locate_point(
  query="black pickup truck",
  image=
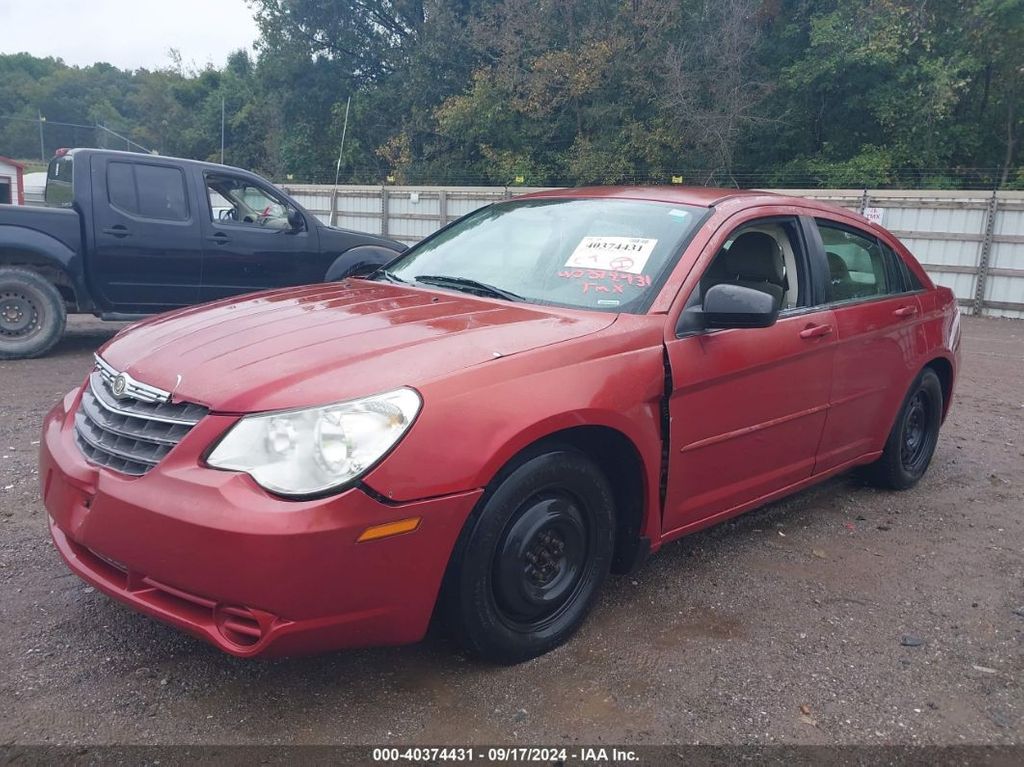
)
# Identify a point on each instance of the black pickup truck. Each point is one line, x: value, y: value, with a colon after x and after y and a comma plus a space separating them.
x: 126, y: 235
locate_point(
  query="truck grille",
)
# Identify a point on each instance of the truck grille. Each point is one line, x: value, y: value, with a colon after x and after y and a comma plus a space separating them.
x: 129, y: 434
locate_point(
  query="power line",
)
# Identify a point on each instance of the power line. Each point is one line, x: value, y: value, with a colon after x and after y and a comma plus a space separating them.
x: 95, y: 126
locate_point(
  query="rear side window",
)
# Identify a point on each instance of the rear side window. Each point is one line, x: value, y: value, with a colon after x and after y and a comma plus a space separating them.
x: 59, y: 175
x: 121, y: 187
x: 161, y: 192
x: 150, y: 191
x: 908, y: 278
x: 856, y: 264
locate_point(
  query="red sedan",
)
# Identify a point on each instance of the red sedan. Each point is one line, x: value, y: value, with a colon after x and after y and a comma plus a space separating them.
x: 544, y: 391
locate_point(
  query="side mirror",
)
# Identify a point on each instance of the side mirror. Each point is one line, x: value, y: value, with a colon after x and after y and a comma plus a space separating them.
x: 295, y: 220
x: 737, y: 306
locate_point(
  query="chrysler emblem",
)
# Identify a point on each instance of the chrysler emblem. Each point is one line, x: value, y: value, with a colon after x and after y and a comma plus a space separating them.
x: 119, y: 385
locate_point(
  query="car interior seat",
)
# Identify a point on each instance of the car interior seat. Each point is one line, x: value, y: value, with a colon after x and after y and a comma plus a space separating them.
x: 754, y: 260
x: 842, y: 284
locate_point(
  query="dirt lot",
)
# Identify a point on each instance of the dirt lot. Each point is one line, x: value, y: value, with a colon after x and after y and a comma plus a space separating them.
x: 786, y: 625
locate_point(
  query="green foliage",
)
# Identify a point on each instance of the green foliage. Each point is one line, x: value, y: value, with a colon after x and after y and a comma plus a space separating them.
x: 846, y: 93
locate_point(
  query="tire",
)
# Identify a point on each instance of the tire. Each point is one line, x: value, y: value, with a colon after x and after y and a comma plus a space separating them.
x: 531, y: 558
x: 913, y: 438
x: 32, y: 314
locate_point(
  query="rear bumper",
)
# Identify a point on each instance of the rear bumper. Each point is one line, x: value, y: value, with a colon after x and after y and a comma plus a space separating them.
x: 214, y: 555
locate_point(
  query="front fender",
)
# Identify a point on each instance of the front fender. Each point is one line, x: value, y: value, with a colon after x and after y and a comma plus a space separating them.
x: 476, y: 421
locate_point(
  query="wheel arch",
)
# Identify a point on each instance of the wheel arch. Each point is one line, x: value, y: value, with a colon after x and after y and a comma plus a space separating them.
x: 360, y: 257
x: 622, y: 464
x: 52, y: 267
x: 944, y: 370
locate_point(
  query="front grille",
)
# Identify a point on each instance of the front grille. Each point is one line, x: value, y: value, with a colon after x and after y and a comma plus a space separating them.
x: 127, y: 434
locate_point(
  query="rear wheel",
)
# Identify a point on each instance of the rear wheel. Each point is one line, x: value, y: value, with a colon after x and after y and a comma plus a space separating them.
x: 32, y: 314
x: 911, y: 443
x: 527, y: 567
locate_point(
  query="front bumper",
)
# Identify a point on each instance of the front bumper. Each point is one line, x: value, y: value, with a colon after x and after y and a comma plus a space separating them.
x: 213, y: 554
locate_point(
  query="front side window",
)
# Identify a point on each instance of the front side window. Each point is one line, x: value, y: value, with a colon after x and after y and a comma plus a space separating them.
x: 238, y: 201
x: 856, y: 264
x: 765, y: 255
x: 602, y: 254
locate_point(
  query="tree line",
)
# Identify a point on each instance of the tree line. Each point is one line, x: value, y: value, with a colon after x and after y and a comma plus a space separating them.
x: 835, y: 93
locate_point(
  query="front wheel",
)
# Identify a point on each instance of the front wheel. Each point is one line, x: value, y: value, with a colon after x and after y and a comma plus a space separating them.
x: 913, y: 438
x: 527, y: 567
x: 32, y: 314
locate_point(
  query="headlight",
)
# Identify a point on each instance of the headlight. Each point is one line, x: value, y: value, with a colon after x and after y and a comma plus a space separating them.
x: 304, y: 452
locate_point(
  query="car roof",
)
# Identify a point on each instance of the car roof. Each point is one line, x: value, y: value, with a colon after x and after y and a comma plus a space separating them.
x: 701, y: 196
x: 704, y: 196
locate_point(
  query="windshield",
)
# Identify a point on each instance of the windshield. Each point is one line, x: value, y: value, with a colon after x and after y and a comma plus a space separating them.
x: 604, y: 254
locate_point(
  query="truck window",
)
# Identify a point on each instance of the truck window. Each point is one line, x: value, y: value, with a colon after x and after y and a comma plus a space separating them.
x: 150, y: 191
x: 59, y: 175
x: 121, y: 187
x: 161, y: 192
x: 238, y: 201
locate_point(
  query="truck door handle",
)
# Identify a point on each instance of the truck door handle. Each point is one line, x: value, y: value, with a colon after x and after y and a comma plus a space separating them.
x: 220, y: 238
x: 905, y: 311
x: 118, y: 230
x: 815, y: 331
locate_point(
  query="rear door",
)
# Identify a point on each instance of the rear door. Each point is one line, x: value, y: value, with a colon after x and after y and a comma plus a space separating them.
x: 147, y: 251
x: 248, y: 243
x: 877, y: 315
x: 748, y: 405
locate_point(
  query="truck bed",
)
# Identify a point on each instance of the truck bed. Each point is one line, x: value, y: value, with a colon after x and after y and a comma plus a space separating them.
x: 62, y: 224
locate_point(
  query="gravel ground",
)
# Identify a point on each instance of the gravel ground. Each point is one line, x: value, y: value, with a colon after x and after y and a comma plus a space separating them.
x: 788, y: 625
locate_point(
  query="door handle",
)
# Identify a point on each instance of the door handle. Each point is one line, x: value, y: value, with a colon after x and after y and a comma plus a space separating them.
x: 905, y: 311
x: 220, y: 238
x: 118, y: 230
x: 815, y: 331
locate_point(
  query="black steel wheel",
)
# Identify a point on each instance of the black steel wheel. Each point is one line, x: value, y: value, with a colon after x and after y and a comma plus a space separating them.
x: 912, y: 441
x: 32, y: 314
x: 531, y: 558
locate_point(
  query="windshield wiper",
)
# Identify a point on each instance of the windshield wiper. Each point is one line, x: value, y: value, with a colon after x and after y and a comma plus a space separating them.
x: 389, y: 276
x: 464, y: 283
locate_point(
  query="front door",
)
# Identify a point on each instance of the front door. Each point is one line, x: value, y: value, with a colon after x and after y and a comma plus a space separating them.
x: 748, y: 406
x: 248, y: 243
x: 147, y: 252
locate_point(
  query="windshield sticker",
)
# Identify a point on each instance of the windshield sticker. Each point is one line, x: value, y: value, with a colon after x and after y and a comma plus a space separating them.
x: 619, y: 254
x: 676, y: 213
x: 638, y: 280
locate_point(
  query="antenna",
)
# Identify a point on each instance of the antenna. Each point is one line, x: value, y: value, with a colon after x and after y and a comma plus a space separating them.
x: 344, y: 130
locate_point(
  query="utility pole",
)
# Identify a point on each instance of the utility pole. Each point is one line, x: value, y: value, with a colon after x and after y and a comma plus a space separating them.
x: 221, y: 130
x: 42, y: 148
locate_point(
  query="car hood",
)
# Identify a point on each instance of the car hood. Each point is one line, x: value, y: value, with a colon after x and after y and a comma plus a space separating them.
x: 327, y: 343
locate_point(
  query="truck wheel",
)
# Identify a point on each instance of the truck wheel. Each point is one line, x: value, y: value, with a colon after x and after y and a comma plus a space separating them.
x: 529, y: 563
x: 32, y: 315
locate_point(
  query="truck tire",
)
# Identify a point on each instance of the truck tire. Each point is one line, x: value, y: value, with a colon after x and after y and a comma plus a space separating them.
x: 32, y: 314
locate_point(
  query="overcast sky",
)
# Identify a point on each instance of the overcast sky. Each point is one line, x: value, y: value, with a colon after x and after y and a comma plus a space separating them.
x: 127, y: 33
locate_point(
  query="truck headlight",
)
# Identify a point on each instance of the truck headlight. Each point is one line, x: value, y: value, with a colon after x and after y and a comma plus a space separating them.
x: 310, y: 451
